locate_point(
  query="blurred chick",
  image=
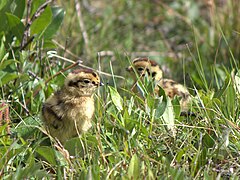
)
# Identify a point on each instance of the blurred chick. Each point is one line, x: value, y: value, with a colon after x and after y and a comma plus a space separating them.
x: 171, y: 88
x: 68, y: 112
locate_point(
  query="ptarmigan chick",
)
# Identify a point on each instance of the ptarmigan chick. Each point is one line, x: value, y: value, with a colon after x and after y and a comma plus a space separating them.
x: 171, y: 88
x: 68, y: 112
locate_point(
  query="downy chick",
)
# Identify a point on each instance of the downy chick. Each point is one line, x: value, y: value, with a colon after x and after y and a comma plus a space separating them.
x: 171, y: 87
x: 69, y: 111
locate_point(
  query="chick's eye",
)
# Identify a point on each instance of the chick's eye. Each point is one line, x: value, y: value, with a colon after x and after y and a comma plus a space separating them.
x: 154, y: 74
x: 140, y: 69
x: 86, y: 81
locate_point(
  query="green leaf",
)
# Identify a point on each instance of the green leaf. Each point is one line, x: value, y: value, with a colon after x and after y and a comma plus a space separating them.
x: 141, y: 89
x: 223, y: 89
x: 15, y: 25
x: 27, y: 126
x: 29, y: 171
x: 47, y: 153
x: 168, y: 117
x: 134, y: 168
x: 42, y: 22
x: 14, y: 7
x: 149, y: 84
x: 57, y: 19
x: 6, y: 77
x: 4, y: 64
x: 230, y: 100
x: 208, y: 141
x: 151, y: 101
x: 35, y: 6
x: 116, y: 98
x: 2, y: 4
x: 74, y: 147
x: 19, y: 8
x: 180, y: 155
x: 2, y: 48
x: 176, y: 105
x: 161, y: 105
x: 3, y: 20
x: 237, y: 82
x: 48, y: 44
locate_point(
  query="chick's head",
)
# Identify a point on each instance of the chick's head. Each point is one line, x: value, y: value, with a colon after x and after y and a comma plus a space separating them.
x: 145, y: 66
x: 82, y: 82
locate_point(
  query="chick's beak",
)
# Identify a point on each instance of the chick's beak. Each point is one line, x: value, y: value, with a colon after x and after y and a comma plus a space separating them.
x: 129, y: 68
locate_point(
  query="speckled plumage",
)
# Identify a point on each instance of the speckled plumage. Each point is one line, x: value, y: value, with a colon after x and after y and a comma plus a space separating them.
x: 171, y: 87
x: 69, y: 111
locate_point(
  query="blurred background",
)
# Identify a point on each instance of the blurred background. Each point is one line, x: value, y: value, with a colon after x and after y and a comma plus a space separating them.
x: 196, y: 42
x: 177, y: 34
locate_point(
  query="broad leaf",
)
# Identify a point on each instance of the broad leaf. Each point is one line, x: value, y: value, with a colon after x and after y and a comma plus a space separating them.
x: 4, y: 64
x: 57, y: 19
x: 74, y: 147
x: 42, y: 22
x: 19, y: 8
x: 176, y: 106
x: 48, y: 153
x: 3, y: 20
x: 35, y: 5
x: 134, y: 168
x: 14, y: 7
x: 27, y: 126
x: 2, y: 4
x: 6, y: 77
x: 168, y: 117
x: 116, y: 98
x: 162, y: 103
x: 15, y: 25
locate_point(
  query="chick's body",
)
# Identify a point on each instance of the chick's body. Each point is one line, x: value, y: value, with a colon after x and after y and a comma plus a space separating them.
x: 172, y: 89
x: 145, y: 66
x: 68, y: 112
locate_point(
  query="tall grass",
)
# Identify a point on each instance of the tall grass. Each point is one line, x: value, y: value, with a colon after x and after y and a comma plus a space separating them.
x: 131, y: 137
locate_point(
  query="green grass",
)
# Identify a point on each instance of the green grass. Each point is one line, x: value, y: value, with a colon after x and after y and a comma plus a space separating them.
x: 195, y: 43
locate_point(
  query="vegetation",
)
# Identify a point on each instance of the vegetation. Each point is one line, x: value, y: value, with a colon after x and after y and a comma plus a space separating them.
x: 196, y: 43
